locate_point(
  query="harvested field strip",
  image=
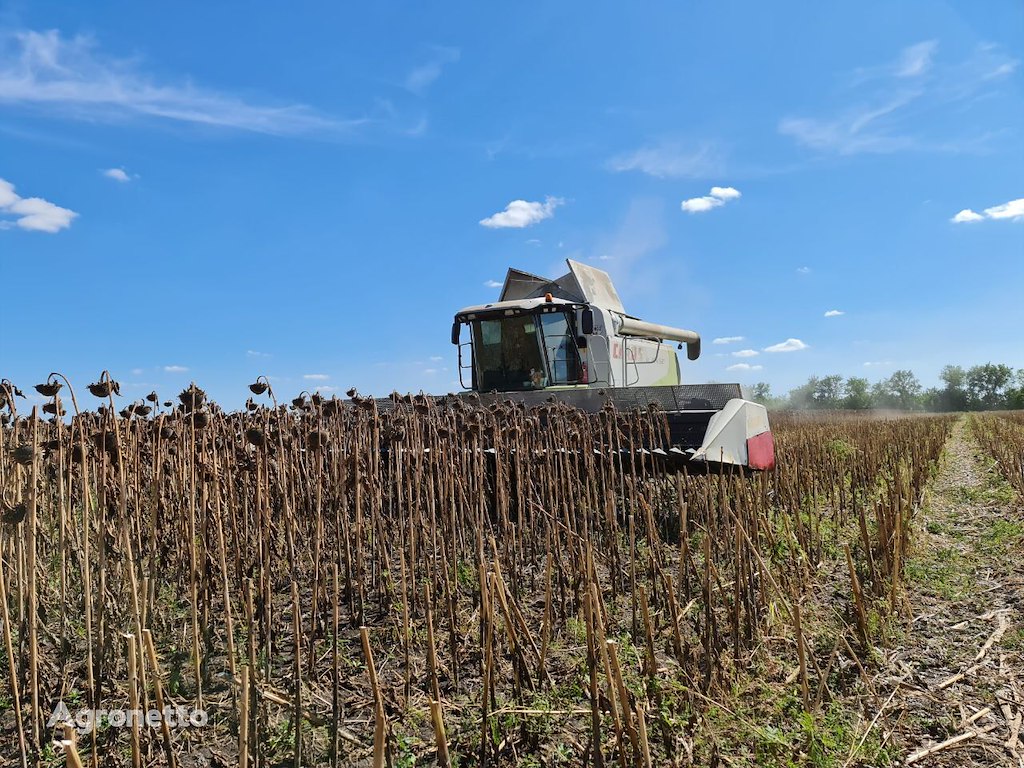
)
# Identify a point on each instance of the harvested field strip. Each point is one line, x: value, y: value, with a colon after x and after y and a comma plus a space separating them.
x: 958, y: 672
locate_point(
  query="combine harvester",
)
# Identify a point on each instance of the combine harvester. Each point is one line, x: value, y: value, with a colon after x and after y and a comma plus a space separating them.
x: 570, y: 340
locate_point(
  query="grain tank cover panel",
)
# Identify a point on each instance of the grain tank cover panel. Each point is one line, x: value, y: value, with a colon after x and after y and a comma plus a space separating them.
x: 523, y: 285
x: 595, y: 285
x: 582, y: 284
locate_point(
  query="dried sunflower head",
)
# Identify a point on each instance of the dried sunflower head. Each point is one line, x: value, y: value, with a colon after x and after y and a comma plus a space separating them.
x: 192, y: 398
x: 53, y: 408
x: 255, y: 437
x: 101, y: 388
x: 317, y: 439
x: 23, y: 454
x: 49, y: 389
x: 15, y: 514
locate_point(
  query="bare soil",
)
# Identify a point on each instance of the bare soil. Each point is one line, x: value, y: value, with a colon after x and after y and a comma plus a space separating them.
x: 954, y: 683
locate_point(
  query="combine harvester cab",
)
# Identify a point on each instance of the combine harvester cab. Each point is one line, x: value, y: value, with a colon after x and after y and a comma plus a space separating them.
x: 571, y: 340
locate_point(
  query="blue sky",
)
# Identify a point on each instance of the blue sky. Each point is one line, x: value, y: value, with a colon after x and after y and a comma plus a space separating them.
x: 310, y: 191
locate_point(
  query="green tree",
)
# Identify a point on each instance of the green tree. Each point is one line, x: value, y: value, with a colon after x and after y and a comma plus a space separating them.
x: 856, y: 395
x: 1015, y: 394
x: 828, y: 392
x: 954, y: 396
x: 761, y: 392
x: 901, y: 390
x: 802, y: 397
x: 987, y: 386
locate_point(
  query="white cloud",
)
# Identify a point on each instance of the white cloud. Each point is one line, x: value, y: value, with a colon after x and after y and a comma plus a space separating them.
x: 803, y: 270
x: 423, y: 76
x: 137, y: 371
x: 325, y: 388
x: 834, y: 313
x: 315, y: 376
x: 745, y: 353
x: 32, y: 213
x: 430, y: 371
x: 436, y: 358
x: 727, y: 339
x: 1012, y: 210
x: 789, y: 345
x: 254, y: 353
x: 877, y: 364
x: 533, y: 241
x: 175, y: 369
x: 916, y: 59
x: 492, y: 284
x: 70, y: 75
x: 520, y: 213
x: 117, y: 174
x: 966, y: 215
x: 725, y: 193
x: 669, y: 160
x: 744, y: 367
x: 701, y: 204
x: 718, y: 196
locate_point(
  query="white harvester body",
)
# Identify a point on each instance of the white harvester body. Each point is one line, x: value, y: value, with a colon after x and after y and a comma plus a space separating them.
x: 571, y: 338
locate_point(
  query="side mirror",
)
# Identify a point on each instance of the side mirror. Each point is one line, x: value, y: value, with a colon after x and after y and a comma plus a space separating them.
x: 456, y: 329
x: 587, y: 321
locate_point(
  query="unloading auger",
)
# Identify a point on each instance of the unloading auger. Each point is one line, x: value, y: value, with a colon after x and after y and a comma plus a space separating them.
x: 571, y: 340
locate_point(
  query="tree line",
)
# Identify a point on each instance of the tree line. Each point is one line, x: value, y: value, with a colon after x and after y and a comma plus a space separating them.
x: 992, y: 386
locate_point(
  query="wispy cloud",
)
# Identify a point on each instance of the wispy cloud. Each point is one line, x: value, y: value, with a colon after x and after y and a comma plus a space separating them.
x: 718, y: 196
x: 878, y: 364
x: 492, y: 284
x: 744, y: 367
x: 789, y: 345
x: 254, y: 353
x: 834, y: 313
x: 880, y: 104
x: 31, y: 213
x: 745, y: 353
x: 727, y: 339
x: 117, y: 174
x: 315, y: 376
x: 1013, y: 210
x: 670, y: 160
x: 803, y: 270
x: 629, y: 246
x: 849, y: 133
x: 175, y: 369
x: 73, y: 77
x: 916, y: 59
x: 420, y: 78
x: 520, y: 213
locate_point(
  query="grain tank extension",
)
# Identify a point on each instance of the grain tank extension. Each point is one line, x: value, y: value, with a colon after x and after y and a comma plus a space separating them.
x: 571, y: 339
